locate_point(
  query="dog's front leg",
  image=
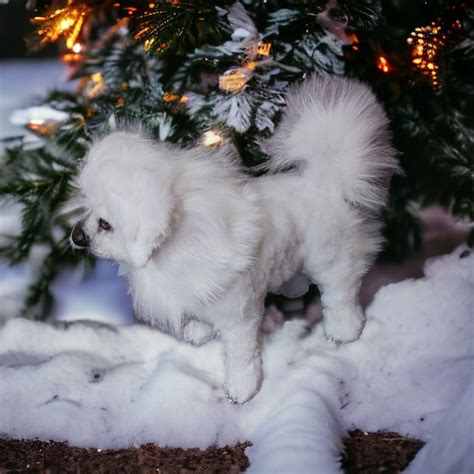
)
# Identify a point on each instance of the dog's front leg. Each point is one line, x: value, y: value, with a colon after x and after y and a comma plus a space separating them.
x: 243, y: 360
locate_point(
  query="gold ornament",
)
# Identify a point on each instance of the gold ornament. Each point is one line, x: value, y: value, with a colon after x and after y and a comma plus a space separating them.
x: 425, y: 42
x: 235, y: 79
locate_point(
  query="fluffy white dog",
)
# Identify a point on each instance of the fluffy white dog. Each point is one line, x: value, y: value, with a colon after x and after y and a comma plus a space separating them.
x: 202, y: 243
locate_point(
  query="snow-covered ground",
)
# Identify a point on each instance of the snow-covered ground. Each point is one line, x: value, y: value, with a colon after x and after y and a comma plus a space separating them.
x: 109, y: 387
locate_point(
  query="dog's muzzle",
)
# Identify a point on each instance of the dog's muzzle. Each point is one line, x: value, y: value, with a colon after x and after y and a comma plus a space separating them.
x: 79, y: 238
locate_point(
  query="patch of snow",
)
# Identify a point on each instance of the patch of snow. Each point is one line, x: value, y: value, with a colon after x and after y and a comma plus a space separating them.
x: 99, y: 385
x: 417, y: 351
x: 451, y: 448
x: 40, y: 113
x: 23, y: 82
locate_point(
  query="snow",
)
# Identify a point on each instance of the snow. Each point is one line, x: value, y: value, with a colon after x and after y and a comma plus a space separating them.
x: 452, y: 444
x: 21, y: 83
x: 107, y: 386
x: 40, y: 113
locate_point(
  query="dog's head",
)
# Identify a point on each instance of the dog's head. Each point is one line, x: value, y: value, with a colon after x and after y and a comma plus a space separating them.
x: 126, y: 191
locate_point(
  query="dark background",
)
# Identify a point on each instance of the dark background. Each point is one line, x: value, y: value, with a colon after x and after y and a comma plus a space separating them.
x: 14, y: 26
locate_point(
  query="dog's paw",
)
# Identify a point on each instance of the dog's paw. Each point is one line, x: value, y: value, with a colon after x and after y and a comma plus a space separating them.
x: 197, y: 333
x: 243, y: 384
x: 343, y: 325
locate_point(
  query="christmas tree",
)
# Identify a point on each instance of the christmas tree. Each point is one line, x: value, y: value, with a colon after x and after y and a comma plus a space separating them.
x: 217, y: 73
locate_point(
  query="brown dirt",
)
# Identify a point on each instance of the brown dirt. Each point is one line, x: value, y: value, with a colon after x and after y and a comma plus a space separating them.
x: 23, y: 456
x: 370, y: 453
x: 365, y: 453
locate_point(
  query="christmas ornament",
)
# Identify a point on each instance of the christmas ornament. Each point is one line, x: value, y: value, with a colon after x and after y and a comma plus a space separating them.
x: 235, y: 79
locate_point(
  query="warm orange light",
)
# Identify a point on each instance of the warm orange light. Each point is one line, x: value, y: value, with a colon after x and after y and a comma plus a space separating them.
x: 212, y: 138
x: 65, y: 25
x: 42, y: 127
x: 170, y: 97
x: 264, y: 49
x: 251, y: 65
x: 426, y: 49
x: 352, y: 38
x: 383, y: 64
x: 67, y: 21
x: 98, y: 84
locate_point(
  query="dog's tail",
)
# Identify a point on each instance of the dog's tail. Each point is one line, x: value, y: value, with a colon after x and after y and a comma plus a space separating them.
x: 336, y: 132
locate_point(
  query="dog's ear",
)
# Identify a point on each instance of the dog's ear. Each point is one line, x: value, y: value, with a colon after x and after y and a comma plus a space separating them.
x: 149, y: 220
x: 144, y: 237
x: 139, y: 252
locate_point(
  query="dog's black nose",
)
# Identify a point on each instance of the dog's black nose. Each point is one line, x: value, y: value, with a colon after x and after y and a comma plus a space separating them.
x: 79, y: 237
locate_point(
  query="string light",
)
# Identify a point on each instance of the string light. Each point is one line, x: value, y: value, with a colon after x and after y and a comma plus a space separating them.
x: 264, y: 49
x: 170, y: 97
x: 383, y: 64
x: 67, y: 22
x: 97, y: 87
x: 161, y: 24
x: 425, y: 42
x: 212, y: 138
x: 149, y: 44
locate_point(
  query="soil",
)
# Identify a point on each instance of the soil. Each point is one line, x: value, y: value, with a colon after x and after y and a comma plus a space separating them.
x: 365, y: 453
x: 370, y: 453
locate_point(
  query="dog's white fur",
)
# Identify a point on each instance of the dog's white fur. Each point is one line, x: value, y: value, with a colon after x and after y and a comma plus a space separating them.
x: 202, y: 244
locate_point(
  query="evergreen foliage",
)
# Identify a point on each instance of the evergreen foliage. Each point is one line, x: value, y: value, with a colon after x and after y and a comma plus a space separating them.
x: 177, y: 88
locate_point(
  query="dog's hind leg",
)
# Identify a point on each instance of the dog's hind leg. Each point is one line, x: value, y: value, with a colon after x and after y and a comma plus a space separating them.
x: 343, y: 316
x: 338, y: 269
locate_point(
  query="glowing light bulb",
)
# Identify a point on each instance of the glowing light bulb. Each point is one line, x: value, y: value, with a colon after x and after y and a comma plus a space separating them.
x: 212, y: 138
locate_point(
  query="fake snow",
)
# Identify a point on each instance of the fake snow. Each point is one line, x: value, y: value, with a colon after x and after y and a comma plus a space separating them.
x: 104, y: 386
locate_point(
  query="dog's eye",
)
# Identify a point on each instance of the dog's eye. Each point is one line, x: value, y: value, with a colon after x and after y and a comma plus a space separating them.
x: 104, y: 225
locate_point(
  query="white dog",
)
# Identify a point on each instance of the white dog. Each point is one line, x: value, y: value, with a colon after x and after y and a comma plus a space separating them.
x: 202, y: 243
